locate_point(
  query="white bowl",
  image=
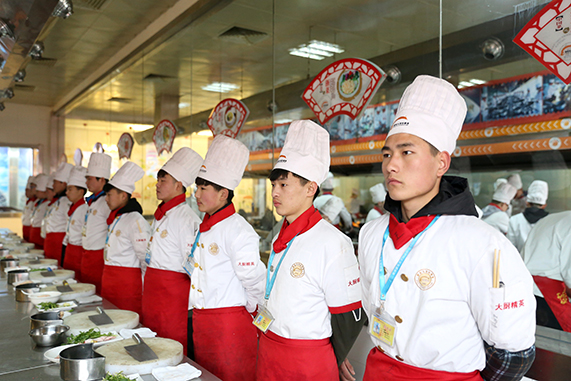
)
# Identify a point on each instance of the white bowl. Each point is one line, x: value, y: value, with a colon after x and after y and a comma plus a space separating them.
x: 44, y: 297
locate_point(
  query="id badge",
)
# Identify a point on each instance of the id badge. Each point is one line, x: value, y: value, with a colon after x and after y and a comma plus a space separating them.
x: 263, y: 319
x: 383, y: 327
x: 148, y: 255
x: 105, y: 252
x: 190, y: 264
x: 84, y: 231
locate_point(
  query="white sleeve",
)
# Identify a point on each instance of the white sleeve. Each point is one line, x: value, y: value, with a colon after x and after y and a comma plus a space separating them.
x: 366, y: 280
x: 341, y: 278
x: 565, y: 259
x: 512, y: 231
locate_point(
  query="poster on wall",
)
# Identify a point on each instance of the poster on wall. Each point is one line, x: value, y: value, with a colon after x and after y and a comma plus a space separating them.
x: 547, y: 38
x: 164, y: 135
x: 125, y: 145
x: 344, y: 87
x: 228, y: 117
x: 511, y: 99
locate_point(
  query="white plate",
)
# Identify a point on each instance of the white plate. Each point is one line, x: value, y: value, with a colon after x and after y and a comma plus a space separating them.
x: 62, y: 306
x: 100, y: 343
x: 53, y: 354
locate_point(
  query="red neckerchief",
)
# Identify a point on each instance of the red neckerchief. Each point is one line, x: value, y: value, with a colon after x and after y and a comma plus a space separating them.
x: 496, y: 205
x: 378, y: 209
x: 402, y: 232
x: 53, y: 200
x: 303, y: 223
x: 75, y: 206
x: 163, y: 208
x: 327, y: 192
x: 112, y: 216
x: 209, y: 221
x: 31, y: 199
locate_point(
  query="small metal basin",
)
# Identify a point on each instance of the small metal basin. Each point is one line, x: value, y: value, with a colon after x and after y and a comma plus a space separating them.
x: 45, y: 318
x: 23, y: 289
x: 18, y: 276
x: 49, y: 335
x: 81, y: 363
x: 7, y: 263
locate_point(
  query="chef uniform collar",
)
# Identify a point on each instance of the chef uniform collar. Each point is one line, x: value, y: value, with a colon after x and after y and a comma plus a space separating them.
x: 99, y: 165
x: 225, y: 162
x: 184, y: 166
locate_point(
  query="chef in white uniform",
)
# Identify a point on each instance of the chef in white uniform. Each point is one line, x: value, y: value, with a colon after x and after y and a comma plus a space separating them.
x: 76, y: 189
x: 378, y: 194
x: 29, y: 207
x: 520, y: 225
x: 227, y: 275
x: 496, y: 213
x: 327, y: 194
x: 311, y: 313
x: 435, y: 312
x: 518, y: 203
x: 167, y: 286
x: 40, y: 208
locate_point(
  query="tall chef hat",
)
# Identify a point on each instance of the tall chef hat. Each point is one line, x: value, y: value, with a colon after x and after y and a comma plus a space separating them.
x: 433, y: 110
x: 306, y: 151
x: 42, y: 182
x: 77, y: 177
x: 332, y: 208
x: 499, y: 182
x: 225, y: 162
x: 50, y: 183
x: 99, y: 165
x: 378, y: 193
x: 537, y: 192
x: 515, y: 181
x: 127, y: 176
x: 184, y: 166
x: 62, y: 172
x: 505, y: 193
x: 327, y: 184
x: 30, y: 182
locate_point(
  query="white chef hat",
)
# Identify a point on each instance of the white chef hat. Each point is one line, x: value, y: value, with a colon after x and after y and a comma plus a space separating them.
x: 505, y: 193
x: 99, y: 165
x: 327, y: 184
x: 515, y: 181
x: 537, y: 192
x: 127, y: 176
x: 306, y: 151
x: 31, y: 180
x: 50, y: 183
x: 498, y: 182
x: 42, y: 182
x: 332, y: 208
x: 378, y: 193
x: 184, y: 166
x: 77, y: 177
x: 225, y: 162
x: 432, y: 109
x: 62, y: 172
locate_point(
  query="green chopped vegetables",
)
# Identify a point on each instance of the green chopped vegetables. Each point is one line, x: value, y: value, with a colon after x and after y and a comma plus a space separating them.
x: 86, y: 335
x: 116, y: 377
x: 32, y: 270
x: 47, y: 305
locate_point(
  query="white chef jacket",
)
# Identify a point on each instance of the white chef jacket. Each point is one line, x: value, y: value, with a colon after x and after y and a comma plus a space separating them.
x: 373, y: 215
x: 27, y: 213
x: 231, y: 272
x: 318, y: 276
x: 127, y: 240
x: 444, y: 297
x: 75, y: 226
x: 95, y: 222
x: 39, y: 214
x: 547, y: 251
x: 518, y: 230
x: 56, y: 217
x: 499, y: 220
x: 343, y: 214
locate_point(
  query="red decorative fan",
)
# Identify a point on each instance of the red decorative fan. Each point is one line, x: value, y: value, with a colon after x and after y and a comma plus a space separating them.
x: 125, y: 145
x: 164, y: 135
x: 228, y: 117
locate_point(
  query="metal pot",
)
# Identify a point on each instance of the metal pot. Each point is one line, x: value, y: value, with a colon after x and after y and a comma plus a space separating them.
x: 18, y: 276
x: 46, y: 318
x: 49, y: 335
x: 8, y: 262
x: 4, y: 252
x: 22, y: 289
x: 81, y: 363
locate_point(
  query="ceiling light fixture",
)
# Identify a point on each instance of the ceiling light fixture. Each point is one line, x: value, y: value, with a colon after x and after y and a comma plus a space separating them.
x: 19, y: 76
x: 37, y: 50
x: 316, y: 50
x: 63, y: 9
x: 220, y: 87
x: 8, y: 94
x: 492, y: 48
x: 470, y: 83
x: 477, y: 81
x: 6, y: 29
x: 140, y: 127
x: 183, y: 105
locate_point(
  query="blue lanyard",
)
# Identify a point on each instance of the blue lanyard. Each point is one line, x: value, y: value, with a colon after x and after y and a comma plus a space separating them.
x: 270, y: 280
x: 384, y: 287
x: 109, y: 232
x: 194, y: 244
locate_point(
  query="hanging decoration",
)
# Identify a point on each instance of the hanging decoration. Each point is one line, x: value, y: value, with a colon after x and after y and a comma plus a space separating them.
x: 546, y: 37
x: 344, y: 87
x: 164, y: 135
x: 125, y: 145
x: 78, y: 157
x: 228, y: 117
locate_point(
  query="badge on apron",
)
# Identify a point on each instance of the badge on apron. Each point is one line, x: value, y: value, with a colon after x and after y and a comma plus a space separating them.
x: 84, y: 231
x: 190, y: 264
x: 383, y: 327
x: 148, y: 253
x: 105, y: 252
x: 263, y: 319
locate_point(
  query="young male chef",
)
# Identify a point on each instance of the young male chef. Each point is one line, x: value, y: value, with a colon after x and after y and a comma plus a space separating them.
x: 126, y: 241
x: 56, y: 218
x: 312, y: 299
x: 76, y: 189
x: 95, y: 224
x: 166, y: 286
x: 435, y: 312
x: 378, y: 194
x: 520, y: 225
x: 29, y: 207
x: 496, y: 213
x: 227, y: 275
x: 41, y: 205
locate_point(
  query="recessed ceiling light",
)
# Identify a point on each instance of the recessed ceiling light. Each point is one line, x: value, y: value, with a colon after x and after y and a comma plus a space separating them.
x: 316, y: 50
x: 476, y: 81
x: 296, y: 52
x: 283, y: 121
x: 333, y: 48
x: 220, y: 87
x: 183, y: 105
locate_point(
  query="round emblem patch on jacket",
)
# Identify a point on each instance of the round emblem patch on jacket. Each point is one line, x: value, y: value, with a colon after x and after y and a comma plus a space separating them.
x: 95, y: 212
x: 297, y: 270
x: 213, y: 249
x: 118, y: 233
x: 73, y: 222
x: 425, y: 279
x: 164, y: 234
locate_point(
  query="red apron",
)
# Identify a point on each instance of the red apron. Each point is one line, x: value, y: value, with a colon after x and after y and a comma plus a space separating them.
x: 554, y: 293
x: 36, y: 238
x: 73, y: 255
x: 165, y: 304
x: 92, y: 263
x: 123, y: 286
x: 226, y: 342
x: 382, y: 367
x: 52, y: 246
x: 26, y: 232
x: 289, y: 359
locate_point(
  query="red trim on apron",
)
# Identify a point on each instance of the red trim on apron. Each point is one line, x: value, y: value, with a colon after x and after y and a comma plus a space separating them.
x: 226, y: 342
x: 554, y: 293
x: 383, y: 367
x: 52, y: 246
x: 36, y: 237
x: 165, y: 304
x: 291, y: 359
x: 26, y: 232
x: 123, y: 286
x: 92, y: 263
x: 72, y: 261
x: 347, y: 308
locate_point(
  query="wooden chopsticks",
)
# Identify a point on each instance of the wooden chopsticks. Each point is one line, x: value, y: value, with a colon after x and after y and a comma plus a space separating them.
x: 496, y: 274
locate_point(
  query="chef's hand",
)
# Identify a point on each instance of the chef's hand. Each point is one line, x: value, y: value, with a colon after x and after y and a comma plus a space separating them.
x: 346, y: 371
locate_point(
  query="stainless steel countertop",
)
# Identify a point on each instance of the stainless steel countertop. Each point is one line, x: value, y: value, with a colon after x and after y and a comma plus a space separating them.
x: 21, y: 359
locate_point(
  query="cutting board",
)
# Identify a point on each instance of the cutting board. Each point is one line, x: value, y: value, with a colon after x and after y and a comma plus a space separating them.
x: 117, y: 359
x: 121, y: 319
x: 79, y: 291
x: 36, y: 276
x: 26, y: 256
x: 44, y: 263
